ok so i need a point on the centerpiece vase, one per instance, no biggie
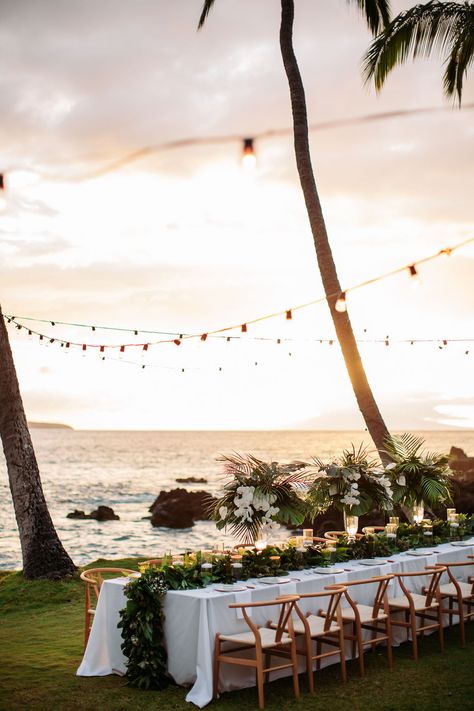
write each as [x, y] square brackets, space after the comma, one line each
[351, 524]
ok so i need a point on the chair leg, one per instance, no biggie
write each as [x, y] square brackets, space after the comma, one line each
[360, 649]
[414, 639]
[343, 655]
[440, 629]
[259, 674]
[268, 659]
[388, 632]
[309, 663]
[354, 641]
[294, 661]
[461, 622]
[318, 652]
[215, 680]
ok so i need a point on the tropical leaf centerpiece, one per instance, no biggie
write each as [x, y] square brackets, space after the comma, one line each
[258, 496]
[354, 483]
[418, 475]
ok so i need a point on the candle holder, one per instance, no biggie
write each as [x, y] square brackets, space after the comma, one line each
[391, 531]
[261, 544]
[427, 528]
[454, 526]
[394, 520]
[449, 514]
[351, 524]
[418, 513]
[236, 570]
[308, 537]
[275, 561]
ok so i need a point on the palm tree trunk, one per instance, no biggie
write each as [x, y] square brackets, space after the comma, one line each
[332, 288]
[43, 553]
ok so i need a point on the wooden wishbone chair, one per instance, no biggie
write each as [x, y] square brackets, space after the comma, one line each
[269, 641]
[425, 604]
[335, 535]
[459, 594]
[323, 627]
[93, 579]
[375, 618]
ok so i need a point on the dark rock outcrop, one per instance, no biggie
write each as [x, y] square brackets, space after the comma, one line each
[102, 513]
[191, 480]
[179, 508]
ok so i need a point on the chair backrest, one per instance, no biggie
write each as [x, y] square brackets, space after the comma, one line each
[93, 577]
[461, 564]
[334, 535]
[431, 591]
[284, 624]
[332, 612]
[380, 600]
[372, 529]
[151, 562]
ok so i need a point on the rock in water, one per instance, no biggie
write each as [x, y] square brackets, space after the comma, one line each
[102, 513]
[191, 480]
[77, 514]
[180, 508]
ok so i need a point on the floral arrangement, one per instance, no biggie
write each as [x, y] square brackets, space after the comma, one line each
[354, 483]
[258, 496]
[417, 475]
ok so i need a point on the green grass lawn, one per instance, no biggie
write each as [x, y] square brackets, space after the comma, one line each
[41, 635]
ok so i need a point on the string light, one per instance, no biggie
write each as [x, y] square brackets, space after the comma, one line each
[219, 333]
[249, 159]
[145, 151]
[340, 304]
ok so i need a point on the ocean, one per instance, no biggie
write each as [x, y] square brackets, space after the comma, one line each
[127, 470]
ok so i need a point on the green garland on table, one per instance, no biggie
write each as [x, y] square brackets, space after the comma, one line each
[142, 619]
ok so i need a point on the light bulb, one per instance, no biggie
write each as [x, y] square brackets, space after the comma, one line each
[249, 159]
[340, 304]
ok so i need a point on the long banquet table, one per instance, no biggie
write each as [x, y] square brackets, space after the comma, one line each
[193, 617]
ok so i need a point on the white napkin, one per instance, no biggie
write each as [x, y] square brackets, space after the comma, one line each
[242, 598]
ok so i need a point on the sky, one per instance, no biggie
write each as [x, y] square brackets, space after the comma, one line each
[186, 240]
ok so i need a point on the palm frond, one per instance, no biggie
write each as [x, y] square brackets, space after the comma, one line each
[206, 8]
[377, 13]
[446, 26]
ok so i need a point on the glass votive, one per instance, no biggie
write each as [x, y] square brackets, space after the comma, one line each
[351, 524]
[450, 513]
[261, 544]
[275, 561]
[418, 513]
[206, 555]
[454, 521]
[427, 529]
[391, 531]
[236, 570]
[206, 567]
[394, 519]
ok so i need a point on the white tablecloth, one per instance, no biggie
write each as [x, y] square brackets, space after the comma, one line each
[193, 617]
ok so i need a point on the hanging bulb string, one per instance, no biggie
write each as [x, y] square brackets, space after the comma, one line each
[145, 151]
[48, 338]
[243, 325]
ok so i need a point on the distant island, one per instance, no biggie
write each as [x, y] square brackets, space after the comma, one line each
[49, 426]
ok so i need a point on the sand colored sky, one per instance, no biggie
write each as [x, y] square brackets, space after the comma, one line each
[185, 240]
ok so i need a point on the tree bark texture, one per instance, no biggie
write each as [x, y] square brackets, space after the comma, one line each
[332, 288]
[42, 551]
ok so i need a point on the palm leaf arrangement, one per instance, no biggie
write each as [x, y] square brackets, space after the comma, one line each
[258, 496]
[418, 475]
[354, 483]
